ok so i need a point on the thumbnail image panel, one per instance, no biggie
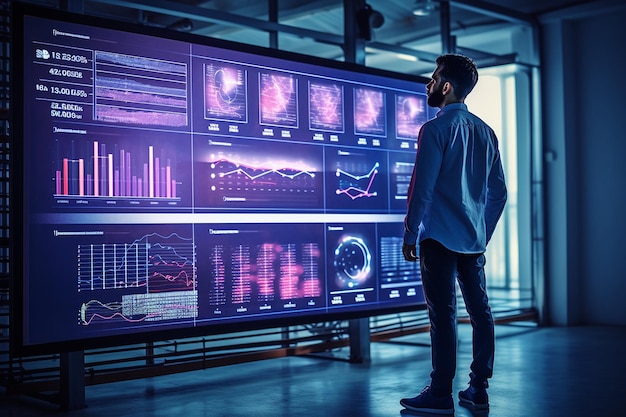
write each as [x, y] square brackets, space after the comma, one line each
[326, 107]
[226, 95]
[411, 114]
[278, 99]
[140, 91]
[400, 172]
[112, 279]
[351, 264]
[356, 180]
[258, 269]
[400, 281]
[245, 174]
[112, 169]
[370, 117]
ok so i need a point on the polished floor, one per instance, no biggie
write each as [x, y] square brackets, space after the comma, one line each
[569, 372]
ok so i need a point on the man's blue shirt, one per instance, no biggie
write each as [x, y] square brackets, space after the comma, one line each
[457, 192]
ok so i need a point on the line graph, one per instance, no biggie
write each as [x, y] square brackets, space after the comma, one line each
[277, 176]
[156, 263]
[257, 172]
[138, 308]
[358, 180]
[349, 183]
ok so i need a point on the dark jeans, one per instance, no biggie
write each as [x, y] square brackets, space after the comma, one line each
[440, 267]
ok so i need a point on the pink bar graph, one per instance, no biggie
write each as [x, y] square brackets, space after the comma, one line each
[121, 174]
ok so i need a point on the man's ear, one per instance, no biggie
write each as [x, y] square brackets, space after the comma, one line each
[447, 88]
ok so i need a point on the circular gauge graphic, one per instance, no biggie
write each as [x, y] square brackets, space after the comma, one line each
[353, 262]
[227, 85]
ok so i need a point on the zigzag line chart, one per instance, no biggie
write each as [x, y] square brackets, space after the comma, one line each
[356, 186]
[154, 262]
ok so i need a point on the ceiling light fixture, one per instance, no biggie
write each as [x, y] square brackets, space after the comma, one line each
[424, 7]
[407, 57]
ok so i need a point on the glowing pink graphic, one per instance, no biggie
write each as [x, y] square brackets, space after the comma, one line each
[410, 116]
[326, 107]
[266, 276]
[263, 171]
[311, 274]
[241, 275]
[266, 272]
[217, 295]
[225, 93]
[275, 176]
[353, 262]
[278, 101]
[369, 112]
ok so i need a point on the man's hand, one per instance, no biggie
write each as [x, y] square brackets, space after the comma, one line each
[409, 252]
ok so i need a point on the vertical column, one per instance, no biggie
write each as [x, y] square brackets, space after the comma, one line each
[66, 177]
[157, 177]
[168, 180]
[151, 171]
[359, 333]
[96, 170]
[72, 380]
[354, 51]
[122, 175]
[353, 46]
[448, 42]
[127, 176]
[103, 170]
[110, 175]
[81, 177]
[273, 17]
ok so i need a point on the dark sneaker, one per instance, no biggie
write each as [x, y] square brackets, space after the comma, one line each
[426, 402]
[474, 398]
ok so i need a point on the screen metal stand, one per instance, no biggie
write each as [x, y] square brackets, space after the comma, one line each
[359, 333]
[72, 389]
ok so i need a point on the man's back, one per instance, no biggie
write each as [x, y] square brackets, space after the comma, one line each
[461, 180]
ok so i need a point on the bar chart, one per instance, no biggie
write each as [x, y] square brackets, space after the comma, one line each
[107, 171]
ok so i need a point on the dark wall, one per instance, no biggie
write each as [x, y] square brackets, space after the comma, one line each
[584, 110]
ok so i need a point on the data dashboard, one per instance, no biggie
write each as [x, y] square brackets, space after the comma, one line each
[184, 183]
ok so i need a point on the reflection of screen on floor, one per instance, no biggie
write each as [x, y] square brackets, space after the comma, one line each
[198, 184]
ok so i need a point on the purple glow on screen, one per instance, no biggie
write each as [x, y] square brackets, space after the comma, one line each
[176, 185]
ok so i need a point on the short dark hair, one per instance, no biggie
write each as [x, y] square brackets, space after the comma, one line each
[460, 71]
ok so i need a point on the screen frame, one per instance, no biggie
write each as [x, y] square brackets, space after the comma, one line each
[19, 229]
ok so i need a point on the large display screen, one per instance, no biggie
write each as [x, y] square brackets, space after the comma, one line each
[172, 185]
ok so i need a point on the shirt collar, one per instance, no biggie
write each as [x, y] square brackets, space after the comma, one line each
[452, 106]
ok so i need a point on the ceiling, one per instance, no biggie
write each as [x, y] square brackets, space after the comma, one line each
[487, 31]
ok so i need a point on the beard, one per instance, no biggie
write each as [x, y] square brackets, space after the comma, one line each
[436, 97]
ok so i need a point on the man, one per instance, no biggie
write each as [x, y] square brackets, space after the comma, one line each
[455, 199]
